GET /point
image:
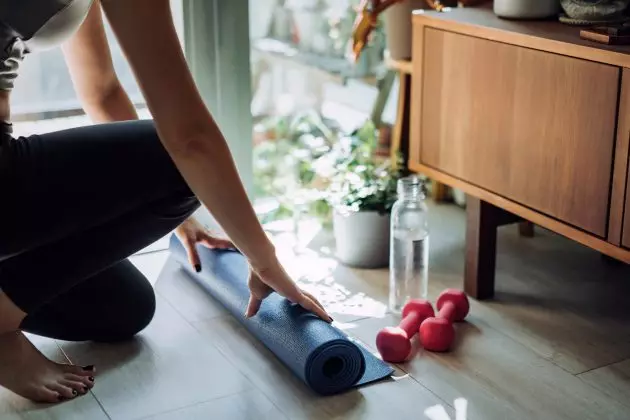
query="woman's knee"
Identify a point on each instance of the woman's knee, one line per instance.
(142, 314)
(132, 308)
(132, 320)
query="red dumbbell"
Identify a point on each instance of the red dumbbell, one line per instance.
(394, 343)
(437, 333)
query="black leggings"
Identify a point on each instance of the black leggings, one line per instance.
(73, 206)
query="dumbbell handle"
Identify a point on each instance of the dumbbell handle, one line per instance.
(447, 311)
(411, 323)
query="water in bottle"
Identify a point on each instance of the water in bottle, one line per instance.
(409, 253)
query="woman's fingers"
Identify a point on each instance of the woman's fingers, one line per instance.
(315, 301)
(193, 255)
(262, 284)
(309, 304)
(252, 306)
(216, 243)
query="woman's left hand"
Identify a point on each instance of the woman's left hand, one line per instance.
(191, 232)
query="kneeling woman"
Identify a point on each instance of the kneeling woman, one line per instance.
(76, 203)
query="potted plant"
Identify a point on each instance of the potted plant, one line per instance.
(361, 192)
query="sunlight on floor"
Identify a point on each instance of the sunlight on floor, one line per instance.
(313, 266)
(438, 412)
(315, 269)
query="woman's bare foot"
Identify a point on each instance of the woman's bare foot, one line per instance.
(27, 372)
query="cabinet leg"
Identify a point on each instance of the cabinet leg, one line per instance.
(526, 229)
(438, 191)
(481, 247)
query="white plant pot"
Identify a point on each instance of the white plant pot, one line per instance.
(459, 197)
(362, 238)
(398, 28)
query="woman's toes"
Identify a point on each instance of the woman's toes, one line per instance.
(78, 386)
(64, 391)
(86, 371)
(46, 395)
(87, 381)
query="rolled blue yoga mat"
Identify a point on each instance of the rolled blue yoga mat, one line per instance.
(322, 356)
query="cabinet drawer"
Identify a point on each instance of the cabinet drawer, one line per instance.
(534, 127)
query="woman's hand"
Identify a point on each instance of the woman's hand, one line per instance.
(191, 232)
(262, 284)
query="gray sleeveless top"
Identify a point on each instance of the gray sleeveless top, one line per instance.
(30, 25)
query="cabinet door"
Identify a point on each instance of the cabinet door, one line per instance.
(534, 127)
(620, 209)
(625, 239)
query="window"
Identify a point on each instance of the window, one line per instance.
(44, 88)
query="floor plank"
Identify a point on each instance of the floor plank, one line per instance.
(186, 296)
(14, 407)
(500, 378)
(169, 366)
(402, 397)
(247, 405)
(613, 380)
(150, 264)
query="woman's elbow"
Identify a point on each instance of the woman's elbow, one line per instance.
(107, 102)
(194, 141)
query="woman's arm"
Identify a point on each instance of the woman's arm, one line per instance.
(89, 60)
(147, 35)
(90, 63)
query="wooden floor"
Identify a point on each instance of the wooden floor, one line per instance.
(554, 344)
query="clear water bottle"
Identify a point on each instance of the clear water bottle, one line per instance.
(409, 249)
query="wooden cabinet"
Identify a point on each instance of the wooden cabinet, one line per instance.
(530, 121)
(531, 126)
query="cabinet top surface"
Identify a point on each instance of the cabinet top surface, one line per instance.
(550, 35)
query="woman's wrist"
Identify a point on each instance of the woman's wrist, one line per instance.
(265, 259)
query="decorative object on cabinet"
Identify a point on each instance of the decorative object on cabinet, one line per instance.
(585, 12)
(397, 23)
(611, 35)
(526, 9)
(447, 5)
(366, 21)
(441, 5)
